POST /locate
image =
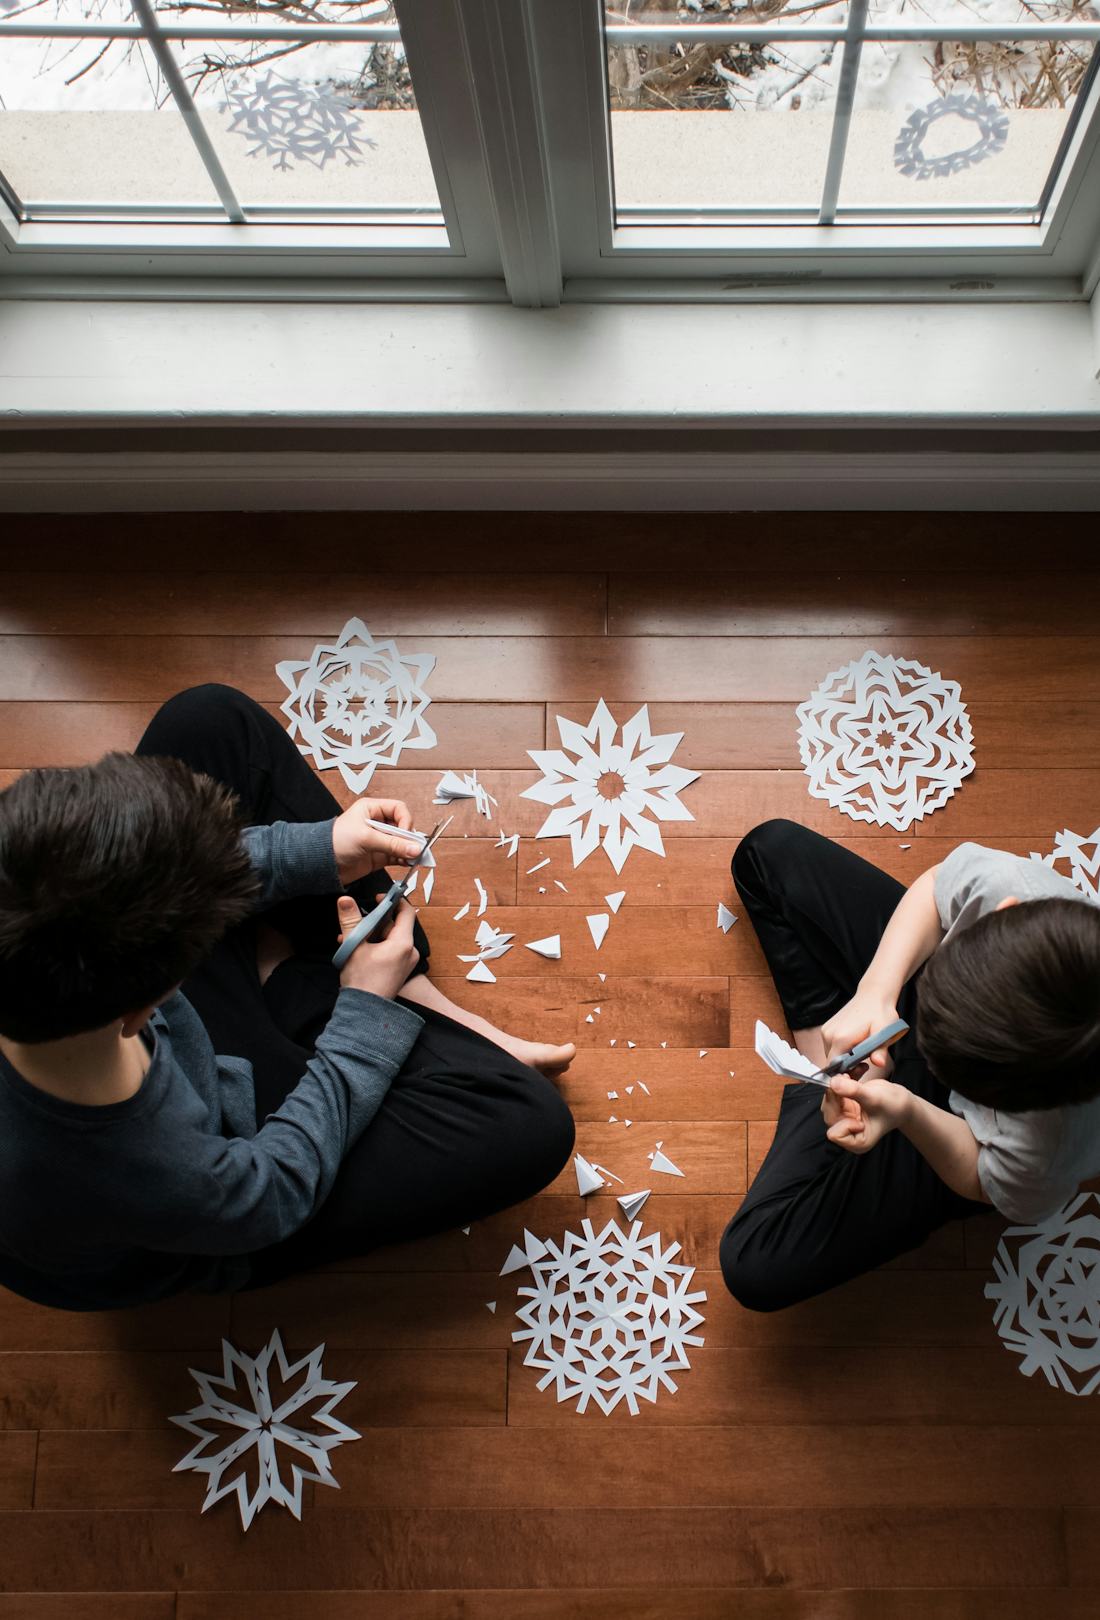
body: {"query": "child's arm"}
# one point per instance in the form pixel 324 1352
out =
pixel 880 1106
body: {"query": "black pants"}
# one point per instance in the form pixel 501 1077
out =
pixel 817 1215
pixel 465 1130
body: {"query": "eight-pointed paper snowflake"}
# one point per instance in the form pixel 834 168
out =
pixel 264 1427
pixel 609 1317
pixel 1077 858
pixel 1047 1293
pixel 610 792
pixel 356 703
pixel 885 740
pixel 290 118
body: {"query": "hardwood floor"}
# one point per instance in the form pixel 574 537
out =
pixel 872 1455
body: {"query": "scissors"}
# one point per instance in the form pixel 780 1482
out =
pixel 372 921
pixel 845 1062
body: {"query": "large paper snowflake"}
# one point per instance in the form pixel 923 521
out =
pixel 885 740
pixel 1047 1294
pixel 1077 858
pixel 264 1427
pixel 290 118
pixel 356 703
pixel 607 791
pixel 609 1317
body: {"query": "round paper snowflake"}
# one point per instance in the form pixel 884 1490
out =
pixel 609 1317
pixel 261 1416
pixel 356 703
pixel 1077 858
pixel 885 740
pixel 1047 1294
pixel 290 118
pixel 607 791
pixel 991 127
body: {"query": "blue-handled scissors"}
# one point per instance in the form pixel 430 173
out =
pixel 373 920
pixel 845 1062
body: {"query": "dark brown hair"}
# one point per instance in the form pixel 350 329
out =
pixel 116 879
pixel 1009 1008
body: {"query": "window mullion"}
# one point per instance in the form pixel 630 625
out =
pixel 842 115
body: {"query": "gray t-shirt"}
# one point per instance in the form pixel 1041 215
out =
pixel 1029 1164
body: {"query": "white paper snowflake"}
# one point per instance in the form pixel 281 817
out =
pixel 356 703
pixel 1047 1293
pixel 261 1416
pixel 607 791
pixel 1077 858
pixel 885 740
pixel 291 118
pixel 609 1317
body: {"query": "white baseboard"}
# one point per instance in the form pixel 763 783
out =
pixel 548 481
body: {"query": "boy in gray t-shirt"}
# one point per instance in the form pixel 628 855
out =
pixel 993 1098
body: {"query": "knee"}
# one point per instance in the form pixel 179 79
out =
pixel 757 1280
pixel 768 842
pixel 549 1135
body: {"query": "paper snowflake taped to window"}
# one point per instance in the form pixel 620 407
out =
pixel 609 792
pixel 264 1427
pixel 355 703
pixel 291 118
pixel 885 740
pixel 1046 1291
pixel 1077 858
pixel 609 1317
pixel 991 127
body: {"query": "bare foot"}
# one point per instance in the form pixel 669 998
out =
pixel 549 1060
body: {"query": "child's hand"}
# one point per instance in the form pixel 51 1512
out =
pixel 360 849
pixel 859 1113
pixel 380 966
pixel 868 1011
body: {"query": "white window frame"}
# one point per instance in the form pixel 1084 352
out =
pixel 512 98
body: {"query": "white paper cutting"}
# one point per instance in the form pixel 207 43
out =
pixel 609 1317
pixel 784 1059
pixel 533 1249
pixel 661 1161
pixel 1076 857
pixel 726 919
pixel 589 1179
pixel 282 1412
pixel 631 1203
pixel 462 912
pixel 615 900
pixel 538 866
pixel 614 793
pixel 1046 1293
pixel 482 897
pixel 885 740
pixel 429 885
pixel 481 973
pixel 549 947
pixel 598 926
pixel 508 841
pixel 454 785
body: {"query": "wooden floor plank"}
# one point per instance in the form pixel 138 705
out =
pixel 88 1606
pixel 684 1012
pixel 679 941
pixel 17 1466
pixel 181 1323
pixel 711 1155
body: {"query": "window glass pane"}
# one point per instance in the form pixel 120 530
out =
pixel 974 125
pixel 106 135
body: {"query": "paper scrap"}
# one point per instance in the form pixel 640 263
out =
pixel 588 1178
pixel 533 1249
pixel 702 1051
pixel 783 1059
pixel 549 947
pixel 483 897
pixel 643 1087
pixel 429 885
pixel 615 900
pixel 661 1161
pixel 631 1203
pixel 481 973
pixel 726 919
pixel 461 912
pixel 630 1046
pixel 613 1096
pixel 538 866
pixel 508 841
pixel 598 924
pixel 602 977
pixel 560 885
pixel 454 785
pixel 491 1305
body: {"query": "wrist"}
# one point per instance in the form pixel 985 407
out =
pixel 879 985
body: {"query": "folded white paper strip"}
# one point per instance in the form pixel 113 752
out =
pixel 726 919
pixel 589 1179
pixel 631 1203
pixel 550 946
pixel 885 740
pixel 784 1059
pixel 454 785
pixel 355 703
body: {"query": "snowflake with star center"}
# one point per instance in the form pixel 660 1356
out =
pixel 885 740
pixel 264 1427
pixel 290 118
pixel 608 787
pixel 1046 1293
pixel 1077 857
pixel 609 1317
pixel 355 703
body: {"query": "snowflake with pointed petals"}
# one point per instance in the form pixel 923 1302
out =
pixel 885 740
pixel 609 1317
pixel 1077 858
pixel 290 118
pixel 355 703
pixel 1046 1290
pixel 264 1427
pixel 608 792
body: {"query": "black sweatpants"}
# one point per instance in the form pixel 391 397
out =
pixel 465 1130
pixel 817 1215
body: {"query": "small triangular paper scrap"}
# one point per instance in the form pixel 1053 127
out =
pixel 726 919
pixel 491 1305
pixel 588 1179
pixel 533 1249
pixel 631 1203
pixel 598 926
pixel 481 974
pixel 615 900
pixel 550 946
pixel 661 1161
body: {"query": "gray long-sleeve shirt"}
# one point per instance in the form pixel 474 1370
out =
pixel 173 1187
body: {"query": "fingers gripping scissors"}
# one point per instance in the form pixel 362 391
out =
pixel 372 921
pixel 845 1062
